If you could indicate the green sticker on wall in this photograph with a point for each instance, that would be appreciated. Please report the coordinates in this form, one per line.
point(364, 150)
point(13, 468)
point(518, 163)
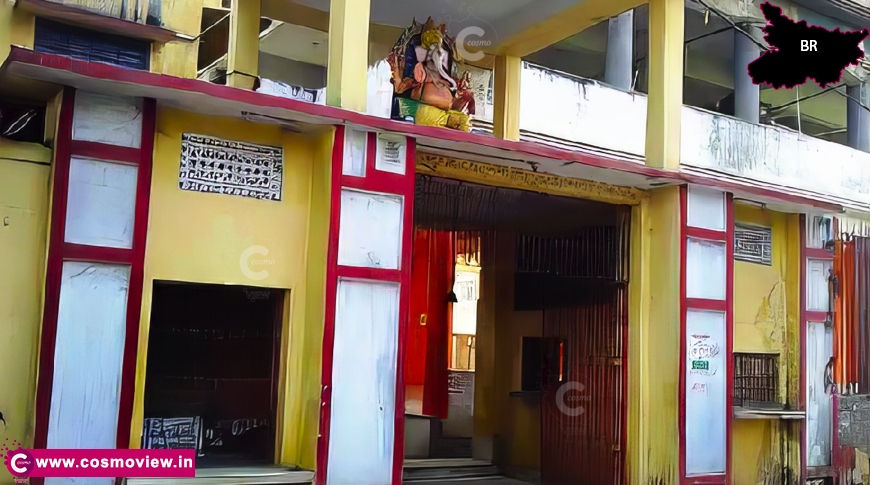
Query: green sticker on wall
point(700, 365)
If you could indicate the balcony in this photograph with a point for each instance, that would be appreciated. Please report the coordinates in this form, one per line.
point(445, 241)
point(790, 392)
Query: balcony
point(562, 109)
point(566, 110)
point(118, 17)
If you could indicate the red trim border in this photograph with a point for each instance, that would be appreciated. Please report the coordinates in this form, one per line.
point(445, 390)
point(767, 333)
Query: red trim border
point(26, 59)
point(60, 251)
point(374, 181)
point(726, 306)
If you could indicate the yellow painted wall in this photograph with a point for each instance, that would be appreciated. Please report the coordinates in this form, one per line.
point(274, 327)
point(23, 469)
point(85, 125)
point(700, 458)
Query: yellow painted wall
point(5, 30)
point(506, 429)
point(485, 403)
point(24, 203)
point(23, 25)
point(766, 307)
point(517, 442)
point(305, 357)
point(759, 290)
point(178, 58)
point(652, 456)
point(520, 423)
point(16, 28)
point(199, 237)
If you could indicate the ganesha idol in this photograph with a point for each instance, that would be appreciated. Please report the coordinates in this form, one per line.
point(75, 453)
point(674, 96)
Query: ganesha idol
point(423, 62)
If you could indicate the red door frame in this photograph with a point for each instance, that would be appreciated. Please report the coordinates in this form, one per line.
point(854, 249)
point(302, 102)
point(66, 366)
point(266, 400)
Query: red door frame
point(60, 251)
point(807, 253)
point(726, 306)
point(382, 182)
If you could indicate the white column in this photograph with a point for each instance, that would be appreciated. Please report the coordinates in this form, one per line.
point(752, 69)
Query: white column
point(746, 93)
point(857, 117)
point(618, 65)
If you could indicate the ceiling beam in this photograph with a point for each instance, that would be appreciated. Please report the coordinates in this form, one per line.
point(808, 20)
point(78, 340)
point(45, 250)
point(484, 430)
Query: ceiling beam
point(554, 21)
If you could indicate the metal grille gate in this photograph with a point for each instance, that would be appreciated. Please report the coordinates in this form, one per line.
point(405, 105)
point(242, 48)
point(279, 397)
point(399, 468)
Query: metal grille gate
point(585, 325)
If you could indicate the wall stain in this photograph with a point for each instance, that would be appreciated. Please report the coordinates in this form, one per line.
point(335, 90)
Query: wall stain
point(771, 317)
point(781, 466)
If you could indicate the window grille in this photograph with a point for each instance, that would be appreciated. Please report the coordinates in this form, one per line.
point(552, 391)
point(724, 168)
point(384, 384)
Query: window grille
point(756, 380)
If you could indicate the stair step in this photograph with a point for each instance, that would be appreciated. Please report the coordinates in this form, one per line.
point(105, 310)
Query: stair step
point(447, 473)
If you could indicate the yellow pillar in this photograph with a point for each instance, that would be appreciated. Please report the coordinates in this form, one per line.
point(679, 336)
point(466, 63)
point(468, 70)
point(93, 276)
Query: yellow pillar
point(244, 49)
point(652, 452)
point(665, 83)
point(302, 397)
point(347, 70)
point(506, 115)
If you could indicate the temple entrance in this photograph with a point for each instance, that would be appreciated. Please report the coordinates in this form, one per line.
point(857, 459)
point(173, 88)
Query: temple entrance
point(516, 340)
point(211, 379)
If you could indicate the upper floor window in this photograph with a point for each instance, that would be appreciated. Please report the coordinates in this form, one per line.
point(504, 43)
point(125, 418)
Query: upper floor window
point(78, 43)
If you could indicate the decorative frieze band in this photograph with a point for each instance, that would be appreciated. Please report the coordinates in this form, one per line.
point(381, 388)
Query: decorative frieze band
point(489, 174)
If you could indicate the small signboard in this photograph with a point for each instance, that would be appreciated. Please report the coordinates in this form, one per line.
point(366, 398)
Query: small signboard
point(753, 244)
point(391, 153)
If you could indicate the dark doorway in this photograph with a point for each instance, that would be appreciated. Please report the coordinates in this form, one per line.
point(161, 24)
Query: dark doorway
point(550, 338)
point(211, 377)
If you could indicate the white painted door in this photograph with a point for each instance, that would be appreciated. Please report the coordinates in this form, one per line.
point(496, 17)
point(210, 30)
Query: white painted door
point(363, 411)
point(820, 349)
point(368, 284)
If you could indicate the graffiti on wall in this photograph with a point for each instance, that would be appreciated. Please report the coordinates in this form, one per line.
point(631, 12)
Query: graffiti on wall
point(172, 433)
point(702, 350)
point(219, 166)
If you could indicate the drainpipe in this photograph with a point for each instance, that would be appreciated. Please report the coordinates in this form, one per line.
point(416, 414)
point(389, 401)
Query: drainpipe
point(857, 117)
point(746, 94)
point(618, 65)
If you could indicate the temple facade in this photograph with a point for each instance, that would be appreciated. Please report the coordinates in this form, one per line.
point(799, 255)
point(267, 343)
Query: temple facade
point(372, 241)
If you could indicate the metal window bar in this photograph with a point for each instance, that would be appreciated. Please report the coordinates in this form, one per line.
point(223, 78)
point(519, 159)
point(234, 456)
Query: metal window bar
point(468, 247)
point(596, 252)
point(756, 380)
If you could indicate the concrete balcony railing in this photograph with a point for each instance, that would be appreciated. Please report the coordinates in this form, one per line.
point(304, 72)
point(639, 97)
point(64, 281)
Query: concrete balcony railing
point(715, 144)
point(560, 108)
point(567, 110)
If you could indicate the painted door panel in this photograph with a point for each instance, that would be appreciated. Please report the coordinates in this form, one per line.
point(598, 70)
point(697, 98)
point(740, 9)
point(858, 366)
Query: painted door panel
point(820, 349)
point(364, 383)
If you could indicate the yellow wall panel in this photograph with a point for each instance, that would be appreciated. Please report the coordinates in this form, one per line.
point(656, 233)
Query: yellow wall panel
point(23, 27)
point(199, 237)
point(24, 202)
point(766, 309)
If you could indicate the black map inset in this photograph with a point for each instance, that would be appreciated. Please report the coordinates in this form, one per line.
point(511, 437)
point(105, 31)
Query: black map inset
point(799, 51)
